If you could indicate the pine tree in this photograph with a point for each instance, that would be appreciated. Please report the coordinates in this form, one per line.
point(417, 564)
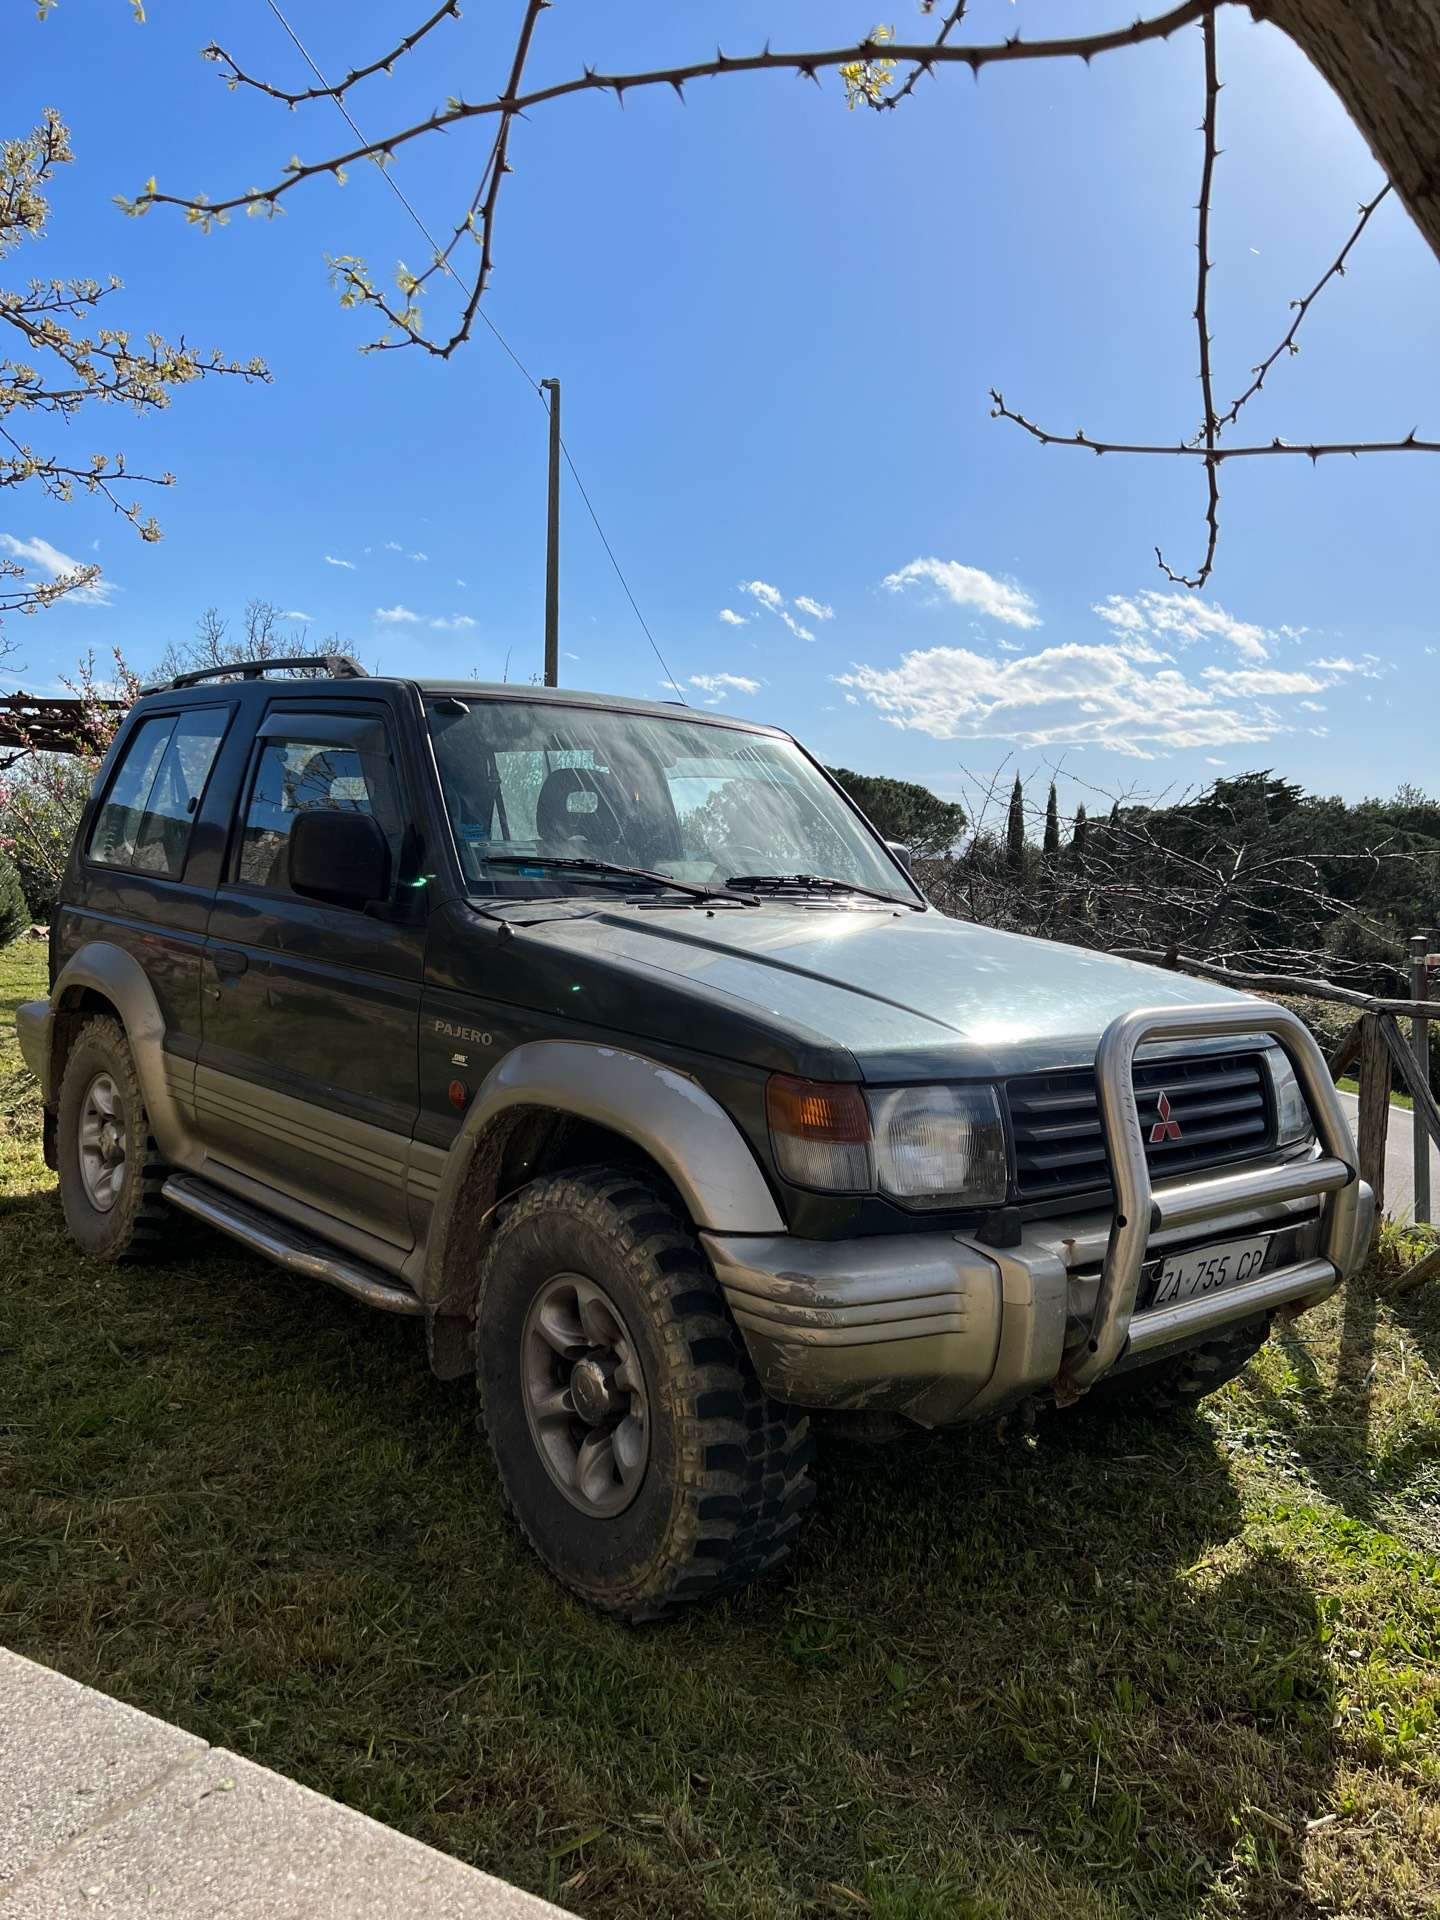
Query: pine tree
point(1015, 829)
point(1052, 825)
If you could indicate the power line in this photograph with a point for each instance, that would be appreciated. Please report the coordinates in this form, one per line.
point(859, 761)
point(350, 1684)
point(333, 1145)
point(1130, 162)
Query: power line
point(439, 254)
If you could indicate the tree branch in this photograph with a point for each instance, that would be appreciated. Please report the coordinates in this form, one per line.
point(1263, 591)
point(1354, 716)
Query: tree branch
point(1202, 325)
point(235, 75)
point(1309, 450)
point(353, 274)
point(907, 85)
point(1301, 308)
point(1083, 47)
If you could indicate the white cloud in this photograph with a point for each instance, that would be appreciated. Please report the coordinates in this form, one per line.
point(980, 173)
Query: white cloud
point(295, 614)
point(717, 685)
point(419, 556)
point(970, 587)
point(815, 609)
point(1122, 614)
point(773, 601)
point(459, 583)
point(1313, 706)
point(396, 615)
point(733, 619)
point(1367, 666)
point(55, 565)
point(1262, 680)
point(457, 623)
point(1211, 761)
point(1074, 695)
point(393, 546)
point(331, 561)
point(1182, 617)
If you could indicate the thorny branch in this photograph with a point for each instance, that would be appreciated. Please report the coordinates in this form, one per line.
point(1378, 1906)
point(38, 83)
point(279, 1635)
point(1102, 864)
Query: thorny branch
point(1187, 450)
point(236, 76)
point(358, 287)
point(808, 65)
point(1301, 308)
point(1202, 326)
point(907, 86)
point(867, 69)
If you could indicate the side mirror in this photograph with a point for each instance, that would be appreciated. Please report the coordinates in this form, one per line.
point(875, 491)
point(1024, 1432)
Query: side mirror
point(901, 852)
point(339, 857)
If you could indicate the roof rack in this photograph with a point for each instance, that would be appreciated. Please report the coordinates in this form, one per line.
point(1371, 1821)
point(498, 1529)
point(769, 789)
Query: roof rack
point(338, 666)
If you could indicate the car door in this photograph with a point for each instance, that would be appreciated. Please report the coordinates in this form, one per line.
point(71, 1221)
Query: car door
point(136, 885)
point(306, 1081)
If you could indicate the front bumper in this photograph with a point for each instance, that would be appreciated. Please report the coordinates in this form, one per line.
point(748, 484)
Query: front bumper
point(942, 1328)
point(32, 1028)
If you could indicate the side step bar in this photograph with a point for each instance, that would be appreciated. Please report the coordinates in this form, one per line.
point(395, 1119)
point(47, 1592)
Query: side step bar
point(289, 1247)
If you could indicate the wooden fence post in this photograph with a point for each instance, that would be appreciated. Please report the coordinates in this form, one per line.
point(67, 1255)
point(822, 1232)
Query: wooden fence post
point(1374, 1108)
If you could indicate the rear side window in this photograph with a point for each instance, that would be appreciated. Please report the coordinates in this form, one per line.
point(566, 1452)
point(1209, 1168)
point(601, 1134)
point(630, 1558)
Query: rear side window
point(299, 776)
point(144, 823)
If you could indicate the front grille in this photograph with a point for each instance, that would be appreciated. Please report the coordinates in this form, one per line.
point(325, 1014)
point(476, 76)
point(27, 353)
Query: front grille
point(1220, 1101)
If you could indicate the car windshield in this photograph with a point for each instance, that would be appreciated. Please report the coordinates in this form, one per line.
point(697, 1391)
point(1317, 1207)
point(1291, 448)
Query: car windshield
point(685, 798)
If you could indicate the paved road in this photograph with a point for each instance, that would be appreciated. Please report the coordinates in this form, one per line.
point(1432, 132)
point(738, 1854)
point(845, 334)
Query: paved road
point(106, 1814)
point(1400, 1162)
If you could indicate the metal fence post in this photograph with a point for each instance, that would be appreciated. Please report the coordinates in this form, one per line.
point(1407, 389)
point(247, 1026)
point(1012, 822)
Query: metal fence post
point(1420, 1047)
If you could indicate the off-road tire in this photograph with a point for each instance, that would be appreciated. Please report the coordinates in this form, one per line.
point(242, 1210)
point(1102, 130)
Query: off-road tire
point(1167, 1386)
point(139, 1224)
point(727, 1481)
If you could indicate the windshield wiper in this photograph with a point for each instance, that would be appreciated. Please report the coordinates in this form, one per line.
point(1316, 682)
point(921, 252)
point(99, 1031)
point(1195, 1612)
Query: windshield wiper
point(585, 863)
point(816, 883)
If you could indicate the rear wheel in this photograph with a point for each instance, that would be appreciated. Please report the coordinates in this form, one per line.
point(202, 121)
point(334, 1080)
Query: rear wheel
point(110, 1168)
point(634, 1444)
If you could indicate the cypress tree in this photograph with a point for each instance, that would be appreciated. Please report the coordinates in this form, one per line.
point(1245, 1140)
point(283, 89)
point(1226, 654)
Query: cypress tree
point(1052, 824)
point(1015, 828)
point(1081, 828)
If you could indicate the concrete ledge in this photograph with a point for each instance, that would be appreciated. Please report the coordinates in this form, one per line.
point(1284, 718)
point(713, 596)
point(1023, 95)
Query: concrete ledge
point(107, 1812)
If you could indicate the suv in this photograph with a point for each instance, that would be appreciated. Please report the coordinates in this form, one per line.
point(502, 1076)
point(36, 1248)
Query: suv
point(610, 1040)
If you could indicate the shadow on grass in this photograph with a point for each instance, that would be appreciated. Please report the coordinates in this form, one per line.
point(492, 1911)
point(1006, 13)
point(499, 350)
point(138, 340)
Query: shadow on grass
point(996, 1681)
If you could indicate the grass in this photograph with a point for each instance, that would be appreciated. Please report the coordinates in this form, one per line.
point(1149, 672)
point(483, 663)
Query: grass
point(1135, 1669)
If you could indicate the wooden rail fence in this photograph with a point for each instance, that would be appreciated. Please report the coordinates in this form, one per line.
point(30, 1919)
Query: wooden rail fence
point(1375, 1050)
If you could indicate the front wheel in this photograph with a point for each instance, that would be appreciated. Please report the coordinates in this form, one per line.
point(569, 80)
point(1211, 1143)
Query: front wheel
point(634, 1443)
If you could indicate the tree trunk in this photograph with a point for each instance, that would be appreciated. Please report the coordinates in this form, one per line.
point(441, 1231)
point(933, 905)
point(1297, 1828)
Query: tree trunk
point(1382, 57)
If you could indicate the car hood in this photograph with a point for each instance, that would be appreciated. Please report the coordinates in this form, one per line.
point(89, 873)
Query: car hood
point(904, 994)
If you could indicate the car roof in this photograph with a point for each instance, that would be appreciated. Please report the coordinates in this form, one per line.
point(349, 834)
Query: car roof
point(337, 687)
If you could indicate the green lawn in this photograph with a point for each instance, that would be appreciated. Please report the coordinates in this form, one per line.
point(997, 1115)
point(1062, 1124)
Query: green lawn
point(1189, 1668)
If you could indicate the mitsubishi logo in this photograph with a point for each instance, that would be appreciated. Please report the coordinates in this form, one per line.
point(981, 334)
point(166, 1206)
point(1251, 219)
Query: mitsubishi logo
point(1164, 1128)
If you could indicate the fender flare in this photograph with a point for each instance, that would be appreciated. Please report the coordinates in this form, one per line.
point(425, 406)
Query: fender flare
point(117, 975)
point(664, 1112)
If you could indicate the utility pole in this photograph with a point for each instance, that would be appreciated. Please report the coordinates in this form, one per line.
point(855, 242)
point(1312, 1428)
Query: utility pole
point(552, 544)
point(1420, 1047)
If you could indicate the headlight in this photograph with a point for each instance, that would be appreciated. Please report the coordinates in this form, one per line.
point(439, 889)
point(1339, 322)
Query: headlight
point(1292, 1116)
point(931, 1147)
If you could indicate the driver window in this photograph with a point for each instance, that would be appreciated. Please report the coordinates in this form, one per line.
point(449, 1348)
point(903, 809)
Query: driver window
point(299, 776)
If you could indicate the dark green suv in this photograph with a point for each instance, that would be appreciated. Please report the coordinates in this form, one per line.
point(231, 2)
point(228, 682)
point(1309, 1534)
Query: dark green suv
point(609, 1039)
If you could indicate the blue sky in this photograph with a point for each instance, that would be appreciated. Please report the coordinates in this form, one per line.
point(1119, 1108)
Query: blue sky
point(776, 323)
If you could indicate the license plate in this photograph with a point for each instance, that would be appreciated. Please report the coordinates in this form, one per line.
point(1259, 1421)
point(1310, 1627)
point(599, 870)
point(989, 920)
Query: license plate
point(1186, 1275)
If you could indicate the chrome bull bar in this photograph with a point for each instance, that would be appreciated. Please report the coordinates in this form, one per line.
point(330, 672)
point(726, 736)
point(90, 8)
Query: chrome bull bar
point(1141, 1210)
